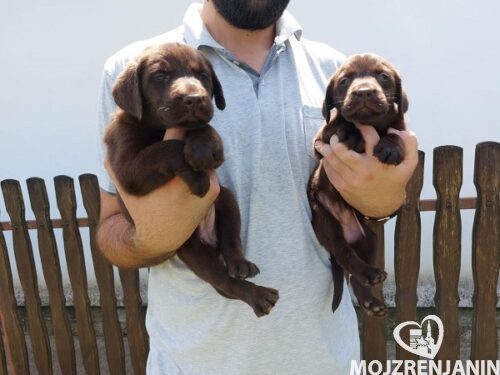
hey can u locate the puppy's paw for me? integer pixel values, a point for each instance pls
(241, 269)
(201, 155)
(197, 181)
(389, 150)
(374, 307)
(263, 300)
(351, 137)
(372, 276)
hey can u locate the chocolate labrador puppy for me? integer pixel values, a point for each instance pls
(172, 85)
(366, 89)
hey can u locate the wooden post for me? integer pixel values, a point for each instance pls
(447, 245)
(11, 325)
(66, 202)
(23, 251)
(138, 339)
(407, 256)
(115, 351)
(52, 272)
(485, 251)
(3, 359)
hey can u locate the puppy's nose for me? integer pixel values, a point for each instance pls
(364, 93)
(192, 100)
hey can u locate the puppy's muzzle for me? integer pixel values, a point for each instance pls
(190, 100)
(364, 98)
(365, 93)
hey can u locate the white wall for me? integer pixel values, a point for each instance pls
(52, 53)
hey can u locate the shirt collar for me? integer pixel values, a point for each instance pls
(197, 35)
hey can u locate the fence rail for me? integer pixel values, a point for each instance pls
(447, 180)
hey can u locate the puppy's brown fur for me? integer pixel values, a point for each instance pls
(366, 89)
(172, 85)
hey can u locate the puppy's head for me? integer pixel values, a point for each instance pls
(366, 89)
(170, 85)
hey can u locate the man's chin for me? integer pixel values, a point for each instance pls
(240, 14)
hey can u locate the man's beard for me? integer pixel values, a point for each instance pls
(251, 14)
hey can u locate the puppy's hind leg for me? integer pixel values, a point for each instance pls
(367, 250)
(228, 223)
(205, 262)
(370, 304)
(330, 235)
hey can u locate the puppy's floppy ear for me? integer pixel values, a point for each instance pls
(401, 97)
(328, 102)
(127, 92)
(217, 92)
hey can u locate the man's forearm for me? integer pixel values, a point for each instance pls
(118, 242)
(163, 220)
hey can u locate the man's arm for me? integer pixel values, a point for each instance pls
(373, 188)
(164, 220)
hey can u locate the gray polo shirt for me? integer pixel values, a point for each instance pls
(267, 129)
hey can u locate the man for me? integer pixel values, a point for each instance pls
(274, 82)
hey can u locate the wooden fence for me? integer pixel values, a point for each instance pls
(447, 248)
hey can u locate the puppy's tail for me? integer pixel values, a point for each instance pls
(338, 283)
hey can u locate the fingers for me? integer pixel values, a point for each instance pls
(410, 142)
(174, 133)
(337, 179)
(338, 155)
(370, 136)
(338, 161)
(323, 148)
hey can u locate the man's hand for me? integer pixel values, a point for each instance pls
(373, 188)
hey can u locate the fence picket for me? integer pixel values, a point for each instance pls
(485, 250)
(66, 202)
(52, 273)
(138, 340)
(3, 360)
(407, 256)
(447, 245)
(11, 325)
(23, 251)
(105, 280)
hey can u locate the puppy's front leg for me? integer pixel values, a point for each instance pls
(228, 223)
(390, 149)
(349, 135)
(150, 168)
(204, 149)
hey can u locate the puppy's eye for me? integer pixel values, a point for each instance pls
(384, 77)
(204, 75)
(344, 81)
(160, 76)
